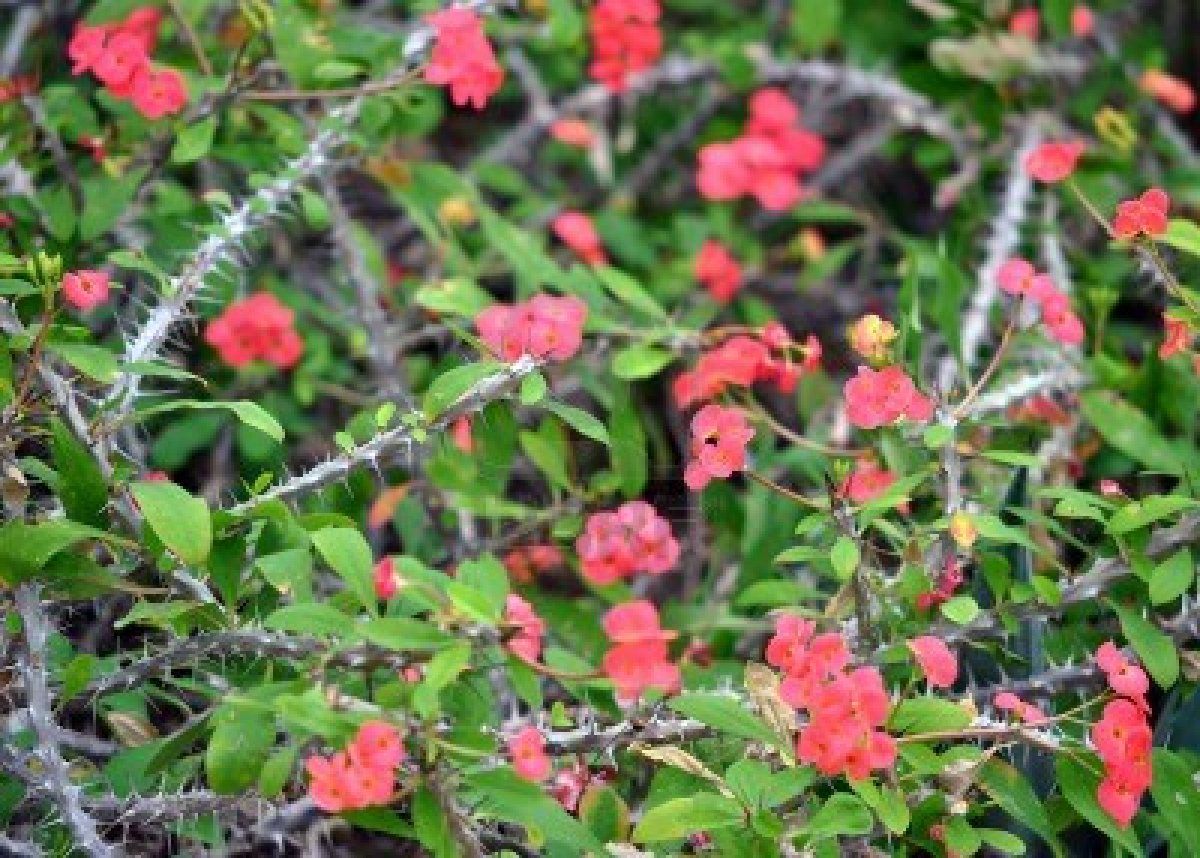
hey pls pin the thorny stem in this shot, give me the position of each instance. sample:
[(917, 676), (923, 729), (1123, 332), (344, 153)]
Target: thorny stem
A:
[(786, 492), (760, 413)]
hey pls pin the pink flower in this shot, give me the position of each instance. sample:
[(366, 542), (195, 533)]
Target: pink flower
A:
[(331, 786), (1123, 741), (866, 482), (1124, 677), (460, 434), (1083, 21), (85, 290), (576, 231), (637, 660), (635, 622), (386, 583), (528, 752), (543, 327), (158, 92), (143, 24), (634, 538), (462, 58), (1025, 22), (936, 660), (256, 328), (1118, 799), (625, 40), (1053, 162), (86, 47), (1145, 215), (1174, 93), (377, 745), (879, 398), (526, 643), (719, 439), (124, 55), (788, 649), (718, 271), (1028, 712), (1177, 337), (524, 562), (573, 132)]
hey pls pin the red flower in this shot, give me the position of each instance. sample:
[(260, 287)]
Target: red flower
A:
[(1174, 93), (523, 562), (1123, 741), (719, 439), (543, 327), (1053, 162), (1124, 677), (1028, 712), (384, 574), (1177, 337), (377, 745), (526, 644), (361, 776), (462, 58), (460, 434), (633, 538), (638, 658), (576, 231), (878, 398), (85, 290), (625, 40), (158, 92), (1083, 21), (124, 55), (936, 660), (256, 328), (866, 482), (1146, 215), (86, 47), (718, 271)]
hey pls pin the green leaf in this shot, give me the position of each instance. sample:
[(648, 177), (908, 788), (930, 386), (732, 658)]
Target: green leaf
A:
[(403, 634), (960, 609), (503, 795), (627, 448), (1177, 798), (237, 749), (543, 454), (1001, 841), (844, 557), (194, 141), (1011, 791), (533, 388), (640, 361), (449, 387), (725, 714), (81, 486), (816, 23), (96, 362), (1078, 784), (348, 554), (311, 618), (250, 413), (580, 421), (841, 813), (1129, 430), (928, 715), (454, 297), (1172, 577), (678, 817), (1139, 513), (180, 521), (1182, 235), (961, 837), (440, 671), (105, 199), (276, 772), (487, 576), (431, 825), (1155, 649), (26, 548), (629, 292), (991, 527)]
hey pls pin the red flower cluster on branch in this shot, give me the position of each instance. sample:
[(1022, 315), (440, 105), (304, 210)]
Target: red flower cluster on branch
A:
[(256, 328), (1018, 277), (119, 56), (543, 327), (877, 398), (637, 660), (1123, 737), (742, 360), (361, 776), (462, 58), (719, 439), (630, 539), (767, 161), (625, 40)]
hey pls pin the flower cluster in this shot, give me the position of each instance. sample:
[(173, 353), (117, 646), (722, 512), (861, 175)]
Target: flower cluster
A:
[(543, 327), (625, 40), (572, 781), (619, 543), (1146, 215), (638, 659), (1018, 277), (1169, 90), (1122, 737), (950, 579), (256, 328), (85, 290), (387, 582), (1177, 337), (719, 439), (528, 751), (526, 642), (718, 271), (767, 160), (1054, 161), (936, 660), (576, 231), (882, 397), (118, 54), (361, 776), (742, 360), (846, 707), (462, 58), (525, 562)]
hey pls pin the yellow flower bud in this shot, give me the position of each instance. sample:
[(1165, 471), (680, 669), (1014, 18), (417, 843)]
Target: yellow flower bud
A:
[(456, 211), (963, 530), (871, 337)]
